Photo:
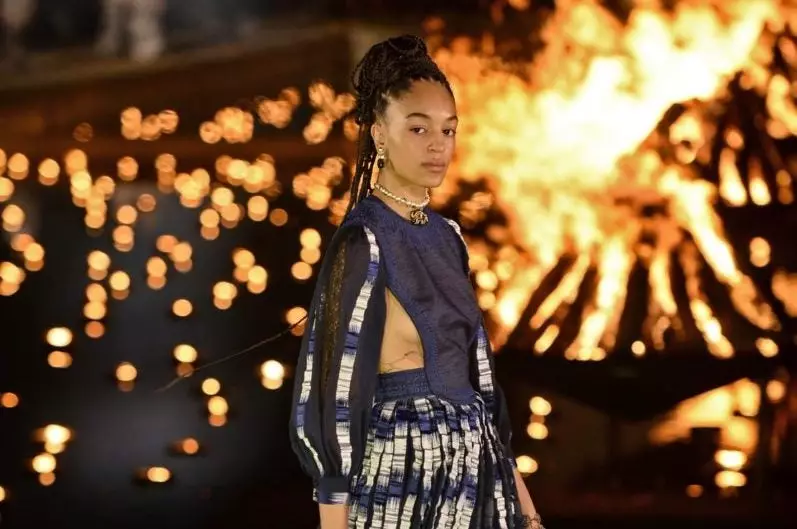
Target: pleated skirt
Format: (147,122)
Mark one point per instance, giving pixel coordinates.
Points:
(430,463)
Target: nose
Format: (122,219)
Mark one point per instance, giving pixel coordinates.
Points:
(436,145)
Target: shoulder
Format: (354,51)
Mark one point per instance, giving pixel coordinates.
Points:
(363,214)
(350,258)
(454,227)
(455,239)
(369,221)
(357,238)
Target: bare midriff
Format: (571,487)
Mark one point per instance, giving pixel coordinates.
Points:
(401,343)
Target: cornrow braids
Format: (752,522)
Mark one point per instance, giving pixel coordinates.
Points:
(387,70)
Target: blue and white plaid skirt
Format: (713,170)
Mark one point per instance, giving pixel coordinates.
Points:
(431,464)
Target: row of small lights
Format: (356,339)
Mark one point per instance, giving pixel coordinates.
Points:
(230,125)
(536,429)
(223,212)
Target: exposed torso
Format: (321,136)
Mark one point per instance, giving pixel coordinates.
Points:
(401,342)
(431,312)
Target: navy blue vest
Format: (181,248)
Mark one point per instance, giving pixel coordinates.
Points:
(427,272)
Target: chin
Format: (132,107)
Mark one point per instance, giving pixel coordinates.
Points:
(433,179)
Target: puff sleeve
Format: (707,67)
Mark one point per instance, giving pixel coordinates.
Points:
(336,368)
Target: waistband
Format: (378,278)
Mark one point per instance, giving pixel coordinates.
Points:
(402,384)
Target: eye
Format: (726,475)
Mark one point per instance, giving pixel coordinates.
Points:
(450,132)
(418,130)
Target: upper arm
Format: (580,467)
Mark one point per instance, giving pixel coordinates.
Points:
(350,268)
(326,420)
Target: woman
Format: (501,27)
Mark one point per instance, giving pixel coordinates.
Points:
(397,416)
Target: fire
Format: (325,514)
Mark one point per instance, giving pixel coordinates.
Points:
(578,157)
(595,173)
(716,409)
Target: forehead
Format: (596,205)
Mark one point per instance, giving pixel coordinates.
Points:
(424,97)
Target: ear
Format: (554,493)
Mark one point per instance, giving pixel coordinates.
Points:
(378,133)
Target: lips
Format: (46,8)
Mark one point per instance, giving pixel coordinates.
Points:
(434,166)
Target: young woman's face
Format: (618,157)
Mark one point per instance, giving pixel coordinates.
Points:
(418,134)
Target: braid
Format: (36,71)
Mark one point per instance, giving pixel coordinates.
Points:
(387,70)
(366,156)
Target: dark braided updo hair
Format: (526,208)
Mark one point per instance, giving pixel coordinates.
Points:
(387,70)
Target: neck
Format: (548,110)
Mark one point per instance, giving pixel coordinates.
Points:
(412,192)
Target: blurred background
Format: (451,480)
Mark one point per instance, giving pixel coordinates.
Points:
(170,171)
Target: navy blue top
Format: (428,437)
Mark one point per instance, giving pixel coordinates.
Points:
(426,268)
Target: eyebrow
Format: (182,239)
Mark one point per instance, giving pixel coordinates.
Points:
(427,116)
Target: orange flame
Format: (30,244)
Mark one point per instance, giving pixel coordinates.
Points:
(572,134)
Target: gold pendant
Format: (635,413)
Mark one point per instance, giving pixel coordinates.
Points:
(418,217)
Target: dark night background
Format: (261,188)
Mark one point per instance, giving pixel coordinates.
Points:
(608,458)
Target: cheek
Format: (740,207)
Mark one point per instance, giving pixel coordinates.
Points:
(410,149)
(451,145)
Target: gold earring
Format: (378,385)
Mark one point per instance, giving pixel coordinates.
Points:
(380,157)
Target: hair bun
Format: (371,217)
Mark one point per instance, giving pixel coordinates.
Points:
(386,60)
(408,46)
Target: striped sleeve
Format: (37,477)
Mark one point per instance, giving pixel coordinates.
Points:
(491,392)
(484,363)
(326,426)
